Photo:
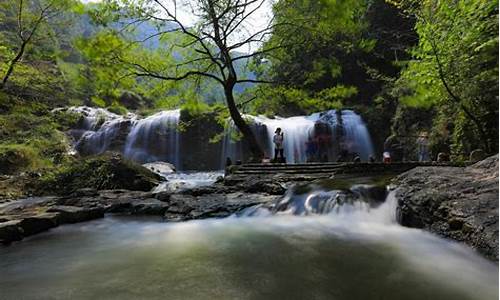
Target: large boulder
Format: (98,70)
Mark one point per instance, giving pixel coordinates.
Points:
(454,202)
(103,172)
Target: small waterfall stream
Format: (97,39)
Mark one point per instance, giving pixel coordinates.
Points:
(155,138)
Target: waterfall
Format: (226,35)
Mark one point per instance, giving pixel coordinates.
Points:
(362,202)
(155,138)
(333,132)
(231,147)
(98,130)
(297,130)
(356,135)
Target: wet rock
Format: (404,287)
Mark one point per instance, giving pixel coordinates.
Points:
(85,192)
(73,214)
(187,207)
(454,202)
(263,186)
(163,196)
(149,207)
(10,231)
(160,167)
(38,223)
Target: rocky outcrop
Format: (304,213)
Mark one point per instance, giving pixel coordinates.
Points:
(454,202)
(106,171)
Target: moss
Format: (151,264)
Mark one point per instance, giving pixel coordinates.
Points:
(118,109)
(15,158)
(106,171)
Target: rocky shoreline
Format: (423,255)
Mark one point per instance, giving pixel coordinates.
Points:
(28,216)
(453,202)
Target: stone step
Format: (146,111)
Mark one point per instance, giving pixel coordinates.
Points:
(258,172)
(282,168)
(308,176)
(270,165)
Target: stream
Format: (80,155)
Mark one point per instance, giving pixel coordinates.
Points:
(311,245)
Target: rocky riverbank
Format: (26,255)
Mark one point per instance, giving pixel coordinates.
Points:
(453,202)
(459,203)
(25,217)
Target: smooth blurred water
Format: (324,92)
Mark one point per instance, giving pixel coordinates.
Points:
(350,254)
(187,180)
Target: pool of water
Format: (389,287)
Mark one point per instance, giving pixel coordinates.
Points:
(347,254)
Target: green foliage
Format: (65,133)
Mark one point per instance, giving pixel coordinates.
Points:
(32,136)
(17,157)
(107,171)
(456,64)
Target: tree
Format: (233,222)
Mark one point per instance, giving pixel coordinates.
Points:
(209,48)
(456,63)
(29,16)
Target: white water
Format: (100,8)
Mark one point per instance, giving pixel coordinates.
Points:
(98,129)
(297,130)
(187,180)
(155,138)
(356,135)
(346,254)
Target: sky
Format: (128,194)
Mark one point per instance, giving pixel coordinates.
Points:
(258,21)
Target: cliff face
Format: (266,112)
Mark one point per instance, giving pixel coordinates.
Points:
(456,203)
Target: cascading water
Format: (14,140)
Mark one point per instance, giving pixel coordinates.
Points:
(356,135)
(98,129)
(337,250)
(332,131)
(297,130)
(155,138)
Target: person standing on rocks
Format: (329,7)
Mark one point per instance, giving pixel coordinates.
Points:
(278,145)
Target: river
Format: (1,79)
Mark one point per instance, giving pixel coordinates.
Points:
(355,252)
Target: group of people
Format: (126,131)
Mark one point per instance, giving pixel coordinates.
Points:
(317,148)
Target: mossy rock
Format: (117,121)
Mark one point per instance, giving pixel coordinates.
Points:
(102,172)
(15,158)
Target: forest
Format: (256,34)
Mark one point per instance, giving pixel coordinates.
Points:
(406,66)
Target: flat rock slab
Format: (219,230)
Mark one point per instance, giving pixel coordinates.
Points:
(187,207)
(454,202)
(73,214)
(38,223)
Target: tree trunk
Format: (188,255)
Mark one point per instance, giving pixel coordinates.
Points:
(244,128)
(13,62)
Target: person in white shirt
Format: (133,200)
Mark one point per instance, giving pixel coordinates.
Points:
(278,144)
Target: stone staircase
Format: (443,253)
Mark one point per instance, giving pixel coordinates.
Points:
(321,170)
